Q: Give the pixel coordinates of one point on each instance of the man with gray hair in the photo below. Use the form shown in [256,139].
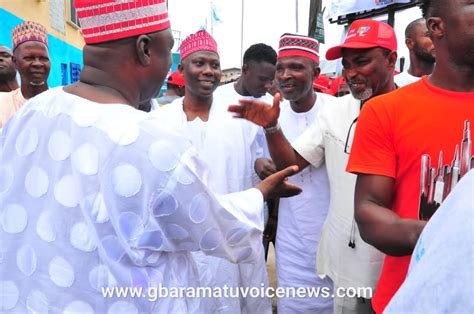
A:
[31,58]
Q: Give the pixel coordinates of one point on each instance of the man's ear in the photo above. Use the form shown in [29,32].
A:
[409,43]
[245,68]
[392,59]
[142,48]
[316,70]
[181,68]
[435,27]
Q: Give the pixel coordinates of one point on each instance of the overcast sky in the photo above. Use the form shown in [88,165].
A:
[264,21]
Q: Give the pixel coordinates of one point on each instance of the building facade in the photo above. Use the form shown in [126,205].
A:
[230,75]
[64,40]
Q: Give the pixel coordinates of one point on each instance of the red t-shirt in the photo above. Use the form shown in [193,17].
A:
[393,132]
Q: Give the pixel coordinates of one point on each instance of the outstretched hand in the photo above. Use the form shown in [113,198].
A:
[258,112]
[277,184]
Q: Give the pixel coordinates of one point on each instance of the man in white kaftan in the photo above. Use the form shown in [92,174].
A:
[342,255]
[300,220]
[230,147]
[324,143]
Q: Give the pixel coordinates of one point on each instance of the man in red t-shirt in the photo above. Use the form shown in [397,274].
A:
[396,129]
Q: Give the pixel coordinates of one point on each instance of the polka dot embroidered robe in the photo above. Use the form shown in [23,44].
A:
[95,196]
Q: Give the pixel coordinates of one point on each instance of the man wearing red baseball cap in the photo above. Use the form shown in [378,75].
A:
[175,88]
[357,48]
[101,207]
[339,87]
[368,57]
[176,78]
[321,84]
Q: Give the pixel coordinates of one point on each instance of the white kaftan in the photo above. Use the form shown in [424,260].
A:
[230,147]
[441,274]
[10,102]
[405,78]
[300,220]
[324,142]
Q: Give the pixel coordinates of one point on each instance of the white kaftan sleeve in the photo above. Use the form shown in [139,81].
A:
[159,203]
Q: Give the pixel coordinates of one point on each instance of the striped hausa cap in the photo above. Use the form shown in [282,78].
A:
[107,20]
[298,45]
[29,31]
[199,41]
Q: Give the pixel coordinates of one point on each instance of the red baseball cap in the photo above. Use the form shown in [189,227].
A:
[321,82]
[176,78]
[363,34]
[337,82]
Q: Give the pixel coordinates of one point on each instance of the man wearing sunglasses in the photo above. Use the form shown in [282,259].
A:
[368,56]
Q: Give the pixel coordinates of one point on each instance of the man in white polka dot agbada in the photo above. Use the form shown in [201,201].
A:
[94,194]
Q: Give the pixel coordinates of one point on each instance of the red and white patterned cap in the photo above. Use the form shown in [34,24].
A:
[107,20]
[199,41]
[29,31]
[292,45]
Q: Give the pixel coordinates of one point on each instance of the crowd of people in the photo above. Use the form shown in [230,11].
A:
[105,185]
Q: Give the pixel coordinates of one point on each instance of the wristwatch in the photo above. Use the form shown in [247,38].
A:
[272,129]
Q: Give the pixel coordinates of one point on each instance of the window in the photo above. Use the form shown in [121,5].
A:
[64,76]
[56,14]
[75,71]
[72,14]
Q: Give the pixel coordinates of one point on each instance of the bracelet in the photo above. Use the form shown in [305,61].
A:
[272,129]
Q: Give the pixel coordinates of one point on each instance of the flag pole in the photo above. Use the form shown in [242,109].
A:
[296,12]
[212,21]
[242,35]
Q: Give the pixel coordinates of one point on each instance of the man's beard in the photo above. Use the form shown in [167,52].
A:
[37,84]
[468,57]
[8,75]
[424,56]
[364,95]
